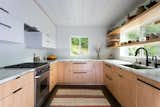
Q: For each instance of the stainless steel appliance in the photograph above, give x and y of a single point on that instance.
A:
(41, 80)
(41, 84)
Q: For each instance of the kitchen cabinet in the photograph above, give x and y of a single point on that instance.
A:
(60, 72)
(125, 88)
(82, 72)
(42, 40)
(67, 73)
(108, 79)
(122, 84)
(18, 92)
(64, 72)
(147, 95)
(11, 28)
(98, 72)
(28, 12)
(53, 76)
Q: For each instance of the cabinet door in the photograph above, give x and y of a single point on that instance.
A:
(11, 29)
(125, 88)
(81, 73)
(108, 79)
(67, 73)
(97, 73)
(53, 76)
(147, 96)
(60, 72)
(14, 100)
(7, 102)
(28, 95)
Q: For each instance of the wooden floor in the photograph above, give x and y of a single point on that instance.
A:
(107, 94)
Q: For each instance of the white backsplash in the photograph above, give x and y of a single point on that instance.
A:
(11, 53)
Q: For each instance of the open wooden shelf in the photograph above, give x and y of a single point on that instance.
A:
(142, 42)
(137, 43)
(115, 32)
(140, 19)
(113, 40)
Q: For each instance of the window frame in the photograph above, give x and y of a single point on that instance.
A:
(80, 55)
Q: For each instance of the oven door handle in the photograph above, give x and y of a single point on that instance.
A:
(36, 77)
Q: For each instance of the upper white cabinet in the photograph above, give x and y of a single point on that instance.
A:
(11, 29)
(31, 14)
(38, 40)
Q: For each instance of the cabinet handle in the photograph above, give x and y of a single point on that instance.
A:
(148, 84)
(108, 65)
(108, 77)
(121, 76)
(5, 25)
(79, 63)
(4, 10)
(18, 77)
(79, 72)
(17, 90)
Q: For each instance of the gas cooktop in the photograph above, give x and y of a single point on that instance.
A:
(26, 65)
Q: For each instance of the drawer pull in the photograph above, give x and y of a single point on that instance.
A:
(148, 84)
(108, 65)
(4, 10)
(17, 90)
(121, 76)
(79, 72)
(18, 77)
(108, 77)
(5, 25)
(80, 63)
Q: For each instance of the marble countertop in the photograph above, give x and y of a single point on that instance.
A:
(153, 74)
(10, 74)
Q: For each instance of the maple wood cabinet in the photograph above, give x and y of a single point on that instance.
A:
(147, 95)
(121, 84)
(53, 76)
(63, 74)
(98, 72)
(18, 92)
(80, 73)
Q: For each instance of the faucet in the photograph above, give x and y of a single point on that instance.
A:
(147, 59)
(154, 58)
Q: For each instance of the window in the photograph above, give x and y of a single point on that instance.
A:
(139, 33)
(151, 28)
(79, 46)
(153, 49)
(132, 34)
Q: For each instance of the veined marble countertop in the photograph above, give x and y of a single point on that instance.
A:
(10, 74)
(153, 74)
(7, 74)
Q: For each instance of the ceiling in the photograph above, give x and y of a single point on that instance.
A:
(87, 12)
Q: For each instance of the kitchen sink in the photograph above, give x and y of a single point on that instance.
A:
(136, 66)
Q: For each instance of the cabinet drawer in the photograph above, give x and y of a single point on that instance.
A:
(8, 88)
(81, 77)
(81, 66)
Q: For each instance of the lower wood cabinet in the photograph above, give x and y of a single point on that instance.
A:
(98, 72)
(53, 76)
(21, 94)
(147, 95)
(121, 84)
(80, 73)
(126, 88)
(60, 72)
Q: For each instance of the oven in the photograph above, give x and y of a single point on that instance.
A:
(41, 85)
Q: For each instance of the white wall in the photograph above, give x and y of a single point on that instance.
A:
(11, 53)
(96, 35)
